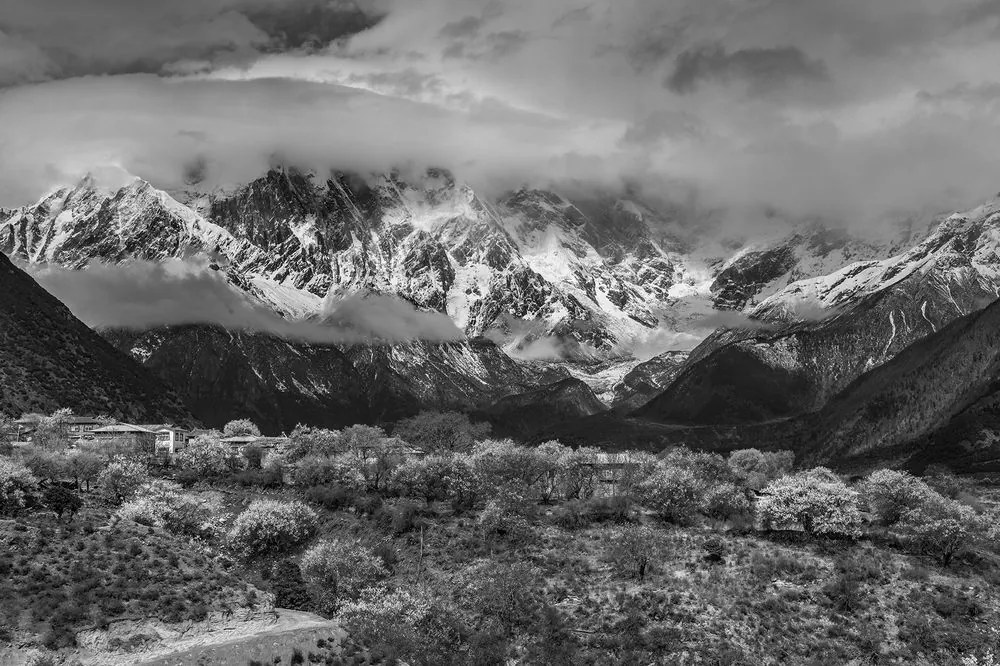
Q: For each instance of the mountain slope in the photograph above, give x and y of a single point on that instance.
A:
(280, 383)
(49, 359)
(810, 340)
(935, 402)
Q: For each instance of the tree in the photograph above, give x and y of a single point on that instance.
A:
(208, 457)
(84, 466)
(305, 441)
(435, 432)
(241, 428)
(375, 455)
(890, 494)
(47, 465)
(505, 468)
(254, 456)
(52, 432)
(578, 473)
(271, 526)
(725, 501)
(633, 549)
(435, 478)
(62, 500)
(122, 478)
(674, 493)
(815, 500)
(16, 484)
(340, 570)
(942, 527)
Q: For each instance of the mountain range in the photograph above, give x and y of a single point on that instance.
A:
(550, 294)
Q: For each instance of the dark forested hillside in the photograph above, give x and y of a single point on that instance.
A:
(50, 359)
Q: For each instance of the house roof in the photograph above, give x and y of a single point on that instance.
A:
(124, 428)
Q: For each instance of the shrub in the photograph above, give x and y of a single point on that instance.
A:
(503, 467)
(162, 504)
(269, 477)
(241, 428)
(675, 494)
(402, 518)
(436, 478)
(254, 456)
(271, 526)
(815, 500)
(334, 498)
(756, 468)
(383, 619)
(504, 595)
(305, 441)
(633, 549)
(16, 482)
(208, 457)
(941, 527)
(289, 587)
(498, 520)
(122, 478)
(616, 509)
(577, 473)
(320, 470)
(890, 494)
(340, 570)
(725, 501)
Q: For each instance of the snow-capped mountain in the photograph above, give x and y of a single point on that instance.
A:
(808, 341)
(547, 277)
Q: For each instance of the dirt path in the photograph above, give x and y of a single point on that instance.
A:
(240, 643)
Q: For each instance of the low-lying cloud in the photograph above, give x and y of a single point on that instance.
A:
(146, 295)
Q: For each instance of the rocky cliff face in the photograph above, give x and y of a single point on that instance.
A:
(811, 339)
(49, 359)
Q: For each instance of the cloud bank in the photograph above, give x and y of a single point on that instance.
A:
(145, 295)
(847, 110)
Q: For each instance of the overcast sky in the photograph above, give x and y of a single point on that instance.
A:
(843, 108)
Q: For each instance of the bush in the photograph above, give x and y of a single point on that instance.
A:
(616, 509)
(62, 500)
(755, 469)
(634, 548)
(726, 501)
(890, 494)
(498, 520)
(271, 526)
(268, 478)
(208, 457)
(402, 518)
(122, 478)
(241, 428)
(16, 482)
(340, 570)
(675, 494)
(161, 504)
(289, 587)
(941, 527)
(437, 478)
(326, 470)
(333, 498)
(816, 500)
